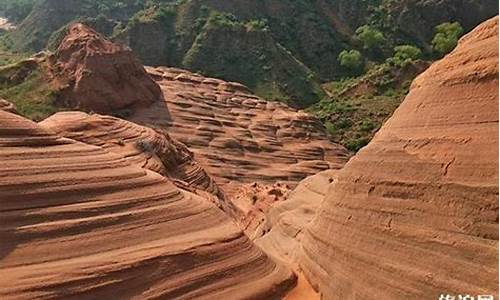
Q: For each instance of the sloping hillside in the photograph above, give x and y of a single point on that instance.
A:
(304, 36)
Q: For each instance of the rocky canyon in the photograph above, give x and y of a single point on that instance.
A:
(163, 183)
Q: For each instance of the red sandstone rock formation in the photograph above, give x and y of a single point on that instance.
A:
(97, 75)
(77, 221)
(282, 230)
(236, 136)
(415, 213)
(143, 146)
(253, 202)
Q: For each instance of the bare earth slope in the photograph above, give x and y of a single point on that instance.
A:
(79, 222)
(238, 137)
(415, 213)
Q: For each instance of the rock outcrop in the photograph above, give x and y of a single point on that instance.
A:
(254, 201)
(151, 149)
(77, 221)
(7, 106)
(97, 75)
(238, 137)
(415, 213)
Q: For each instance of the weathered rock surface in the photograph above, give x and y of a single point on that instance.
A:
(7, 106)
(236, 136)
(415, 213)
(77, 221)
(283, 229)
(253, 202)
(151, 149)
(95, 74)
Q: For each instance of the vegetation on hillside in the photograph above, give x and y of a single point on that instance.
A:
(446, 38)
(16, 10)
(352, 60)
(347, 61)
(357, 107)
(23, 84)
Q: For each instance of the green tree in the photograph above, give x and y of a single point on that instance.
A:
(352, 60)
(405, 54)
(370, 37)
(446, 37)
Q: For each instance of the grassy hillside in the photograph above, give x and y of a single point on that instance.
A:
(357, 107)
(23, 84)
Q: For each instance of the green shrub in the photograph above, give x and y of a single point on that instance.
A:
(351, 60)
(446, 37)
(370, 37)
(218, 19)
(404, 55)
(330, 128)
(256, 25)
(367, 126)
(356, 144)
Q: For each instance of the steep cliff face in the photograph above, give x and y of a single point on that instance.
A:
(96, 74)
(80, 222)
(415, 213)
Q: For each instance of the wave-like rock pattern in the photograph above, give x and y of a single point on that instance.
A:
(77, 221)
(142, 146)
(236, 136)
(415, 213)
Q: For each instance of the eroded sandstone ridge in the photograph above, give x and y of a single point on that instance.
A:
(238, 137)
(97, 75)
(78, 221)
(142, 146)
(415, 213)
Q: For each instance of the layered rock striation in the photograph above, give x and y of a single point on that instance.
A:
(238, 137)
(78, 221)
(415, 213)
(143, 146)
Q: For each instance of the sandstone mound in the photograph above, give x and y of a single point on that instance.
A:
(415, 213)
(283, 229)
(238, 137)
(95, 74)
(142, 146)
(77, 221)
